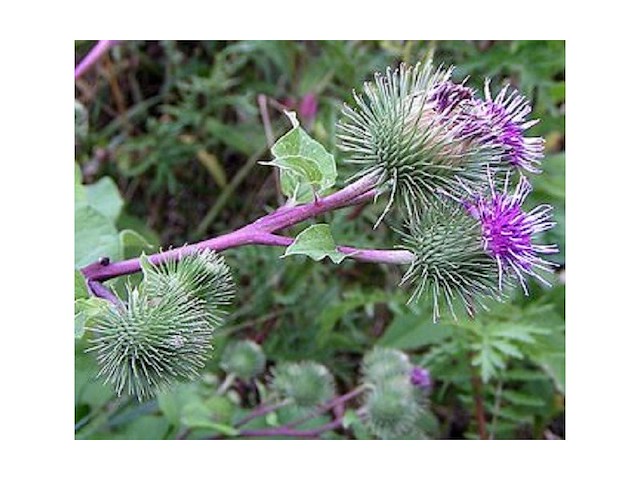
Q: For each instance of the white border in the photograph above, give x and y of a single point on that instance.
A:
(602, 166)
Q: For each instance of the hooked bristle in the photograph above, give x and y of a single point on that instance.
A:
(244, 359)
(450, 259)
(204, 275)
(150, 342)
(307, 384)
(404, 131)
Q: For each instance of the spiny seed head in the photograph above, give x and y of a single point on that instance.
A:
(407, 129)
(151, 341)
(204, 276)
(450, 260)
(306, 383)
(381, 363)
(391, 409)
(244, 358)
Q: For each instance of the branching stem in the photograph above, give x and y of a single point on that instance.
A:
(262, 410)
(260, 232)
(338, 401)
(289, 429)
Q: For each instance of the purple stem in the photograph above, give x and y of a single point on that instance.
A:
(93, 56)
(399, 257)
(260, 233)
(338, 401)
(288, 429)
(288, 215)
(260, 411)
(101, 291)
(364, 197)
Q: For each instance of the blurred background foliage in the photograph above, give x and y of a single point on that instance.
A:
(168, 140)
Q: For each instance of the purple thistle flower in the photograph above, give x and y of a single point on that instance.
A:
(508, 231)
(448, 96)
(501, 122)
(421, 378)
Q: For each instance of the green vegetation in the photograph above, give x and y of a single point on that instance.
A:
(172, 139)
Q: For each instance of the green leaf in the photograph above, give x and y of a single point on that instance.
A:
(241, 137)
(80, 286)
(520, 332)
(197, 415)
(315, 242)
(129, 222)
(173, 401)
(412, 328)
(133, 244)
(508, 349)
(227, 430)
(488, 360)
(350, 417)
(332, 314)
(88, 390)
(523, 375)
(145, 428)
(552, 182)
(305, 166)
(553, 363)
(85, 309)
(105, 197)
(272, 419)
(79, 325)
(95, 236)
(80, 194)
(300, 167)
(522, 399)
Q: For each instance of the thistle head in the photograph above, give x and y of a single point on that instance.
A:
(204, 276)
(151, 341)
(407, 129)
(383, 363)
(501, 123)
(395, 396)
(508, 230)
(449, 96)
(244, 359)
(162, 332)
(450, 259)
(307, 384)
(391, 408)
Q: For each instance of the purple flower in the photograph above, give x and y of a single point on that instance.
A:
(501, 122)
(421, 378)
(448, 95)
(508, 231)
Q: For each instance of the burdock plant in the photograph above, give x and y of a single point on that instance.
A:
(443, 158)
(409, 131)
(163, 332)
(396, 392)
